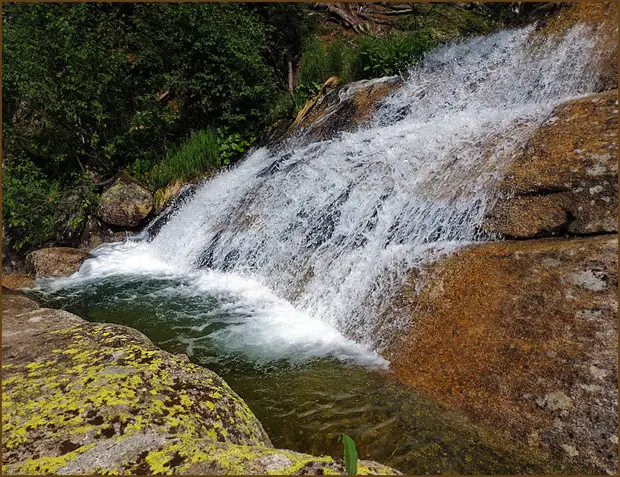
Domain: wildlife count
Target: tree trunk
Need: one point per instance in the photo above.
(291, 75)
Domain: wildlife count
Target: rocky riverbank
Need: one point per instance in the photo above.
(519, 335)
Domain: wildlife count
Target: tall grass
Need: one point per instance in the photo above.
(365, 57)
(198, 155)
(313, 68)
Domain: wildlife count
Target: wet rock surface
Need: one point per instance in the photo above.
(97, 232)
(566, 179)
(55, 261)
(345, 109)
(601, 19)
(522, 337)
(83, 398)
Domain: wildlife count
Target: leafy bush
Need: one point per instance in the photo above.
(98, 87)
(232, 145)
(392, 54)
(38, 210)
(363, 58)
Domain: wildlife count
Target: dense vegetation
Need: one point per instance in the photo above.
(170, 91)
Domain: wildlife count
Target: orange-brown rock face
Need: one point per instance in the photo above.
(16, 281)
(565, 181)
(56, 261)
(522, 337)
(601, 18)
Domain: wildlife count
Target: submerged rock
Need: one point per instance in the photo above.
(56, 261)
(566, 179)
(125, 204)
(522, 337)
(84, 398)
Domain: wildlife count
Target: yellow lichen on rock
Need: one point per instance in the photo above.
(83, 398)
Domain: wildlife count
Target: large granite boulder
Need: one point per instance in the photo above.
(55, 261)
(125, 204)
(84, 398)
(566, 179)
(523, 338)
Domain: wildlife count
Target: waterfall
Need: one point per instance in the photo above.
(312, 241)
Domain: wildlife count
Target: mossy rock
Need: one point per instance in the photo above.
(84, 398)
(125, 204)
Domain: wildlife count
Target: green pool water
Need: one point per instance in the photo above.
(304, 405)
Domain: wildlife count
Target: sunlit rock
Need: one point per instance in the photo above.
(55, 261)
(566, 179)
(522, 337)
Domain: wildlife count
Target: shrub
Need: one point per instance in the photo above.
(37, 210)
(363, 58)
(98, 87)
(392, 54)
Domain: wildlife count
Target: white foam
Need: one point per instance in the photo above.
(313, 241)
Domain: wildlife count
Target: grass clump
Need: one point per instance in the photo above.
(194, 158)
(364, 57)
(202, 153)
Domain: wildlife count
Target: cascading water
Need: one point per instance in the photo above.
(303, 248)
(293, 256)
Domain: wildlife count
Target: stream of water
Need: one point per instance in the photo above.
(275, 274)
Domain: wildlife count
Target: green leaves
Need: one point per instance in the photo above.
(350, 454)
(107, 86)
(391, 54)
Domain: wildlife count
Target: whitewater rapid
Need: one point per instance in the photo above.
(306, 246)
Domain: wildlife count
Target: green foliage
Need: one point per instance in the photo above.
(37, 209)
(283, 108)
(232, 145)
(203, 152)
(313, 68)
(446, 21)
(100, 87)
(392, 54)
(289, 26)
(319, 62)
(363, 58)
(350, 455)
(199, 154)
